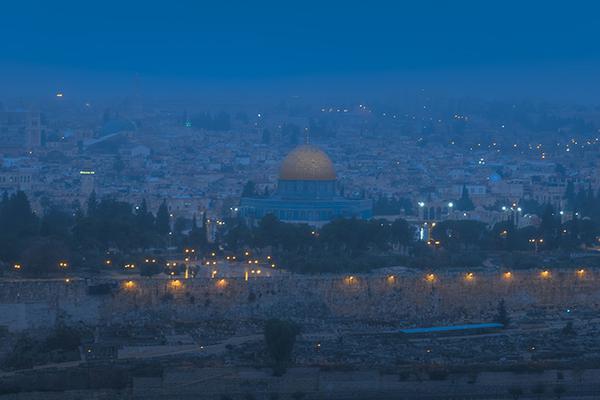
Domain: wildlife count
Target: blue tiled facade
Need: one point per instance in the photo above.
(313, 212)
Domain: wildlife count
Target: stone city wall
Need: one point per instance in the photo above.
(410, 299)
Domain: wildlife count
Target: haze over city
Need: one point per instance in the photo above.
(299, 200)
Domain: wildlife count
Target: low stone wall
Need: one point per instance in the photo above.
(410, 298)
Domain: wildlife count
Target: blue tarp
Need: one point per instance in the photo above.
(435, 329)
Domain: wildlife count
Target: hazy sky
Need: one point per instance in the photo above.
(96, 47)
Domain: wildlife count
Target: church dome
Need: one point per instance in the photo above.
(307, 163)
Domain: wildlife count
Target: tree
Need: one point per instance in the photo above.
(197, 236)
(57, 223)
(402, 232)
(163, 224)
(568, 329)
(502, 315)
(280, 337)
(144, 218)
(144, 221)
(43, 255)
(92, 204)
(570, 195)
(464, 203)
(249, 189)
(17, 215)
(18, 224)
(460, 234)
(549, 226)
(238, 235)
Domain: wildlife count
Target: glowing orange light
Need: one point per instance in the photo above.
(430, 278)
(581, 273)
(176, 284)
(221, 283)
(129, 284)
(507, 275)
(545, 274)
(469, 276)
(391, 279)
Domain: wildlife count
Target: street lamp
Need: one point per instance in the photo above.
(545, 274)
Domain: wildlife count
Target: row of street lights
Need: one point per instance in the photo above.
(469, 276)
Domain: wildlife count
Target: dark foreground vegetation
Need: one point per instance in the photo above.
(110, 231)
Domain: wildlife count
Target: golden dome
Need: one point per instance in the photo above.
(307, 163)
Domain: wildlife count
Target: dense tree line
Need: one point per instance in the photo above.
(551, 234)
(343, 244)
(85, 235)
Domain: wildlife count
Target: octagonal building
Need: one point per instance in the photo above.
(306, 192)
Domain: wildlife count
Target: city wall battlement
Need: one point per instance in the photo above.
(411, 299)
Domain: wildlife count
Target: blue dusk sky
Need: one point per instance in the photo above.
(92, 48)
